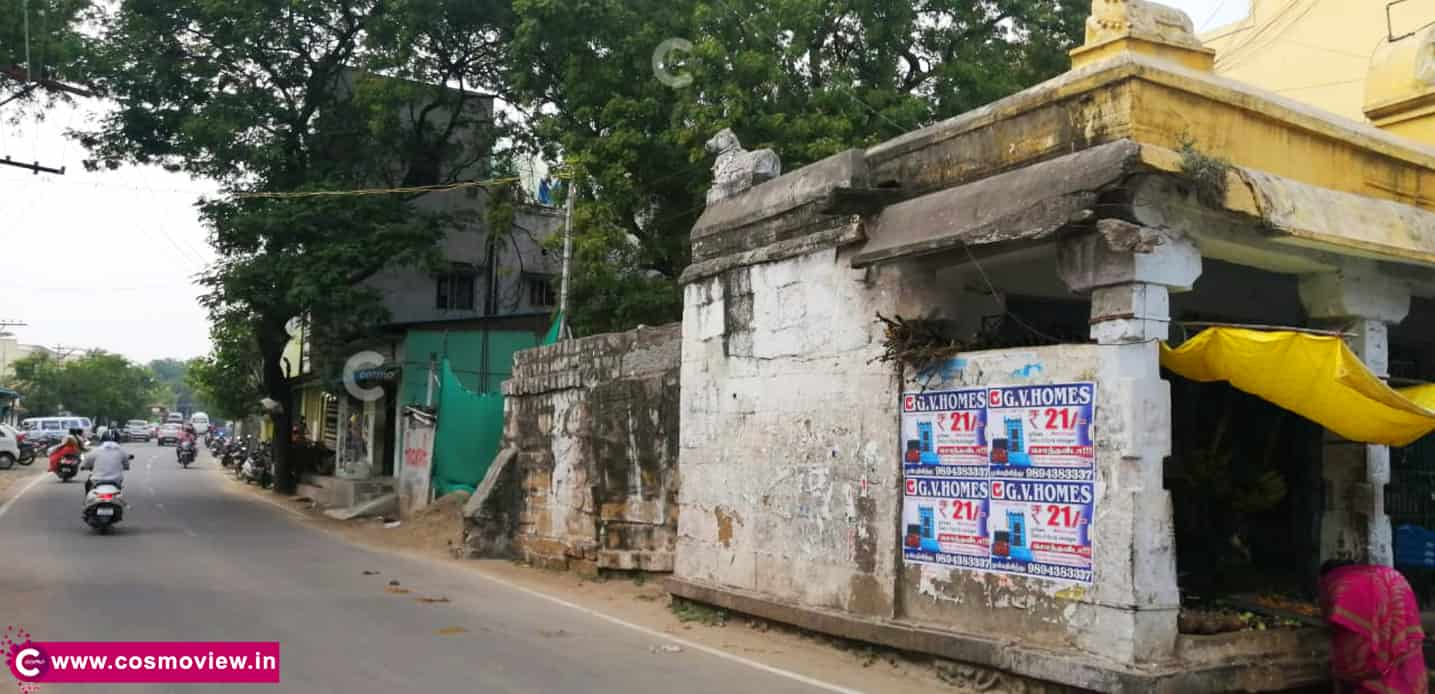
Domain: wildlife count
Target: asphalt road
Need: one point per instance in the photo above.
(196, 562)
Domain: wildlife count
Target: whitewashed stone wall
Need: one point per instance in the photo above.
(790, 483)
(1128, 614)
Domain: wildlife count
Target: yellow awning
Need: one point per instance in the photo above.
(1315, 376)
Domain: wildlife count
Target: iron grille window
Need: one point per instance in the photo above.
(455, 288)
(540, 291)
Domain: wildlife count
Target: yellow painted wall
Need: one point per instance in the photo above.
(1315, 51)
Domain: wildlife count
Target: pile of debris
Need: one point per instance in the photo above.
(917, 343)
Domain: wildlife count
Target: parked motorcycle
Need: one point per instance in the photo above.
(257, 468)
(69, 467)
(233, 453)
(27, 449)
(186, 453)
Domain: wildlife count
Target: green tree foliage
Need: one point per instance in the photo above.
(229, 378)
(55, 49)
(99, 385)
(809, 78)
(298, 96)
(177, 394)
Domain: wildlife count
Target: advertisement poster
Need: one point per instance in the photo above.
(1042, 432)
(1000, 478)
(943, 433)
(1040, 528)
(944, 521)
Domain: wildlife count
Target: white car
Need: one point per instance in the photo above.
(168, 433)
(200, 422)
(9, 446)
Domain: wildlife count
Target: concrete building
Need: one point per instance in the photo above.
(1058, 236)
(1316, 52)
(11, 350)
(497, 298)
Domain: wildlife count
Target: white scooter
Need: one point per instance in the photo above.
(104, 505)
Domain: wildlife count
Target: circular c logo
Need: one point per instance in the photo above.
(660, 62)
(351, 382)
(29, 662)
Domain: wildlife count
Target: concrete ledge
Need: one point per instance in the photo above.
(335, 492)
(656, 561)
(1252, 672)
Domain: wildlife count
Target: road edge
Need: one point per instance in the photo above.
(265, 497)
(5, 507)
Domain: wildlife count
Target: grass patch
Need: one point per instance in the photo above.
(689, 611)
(1206, 172)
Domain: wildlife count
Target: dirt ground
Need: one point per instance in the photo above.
(640, 599)
(19, 475)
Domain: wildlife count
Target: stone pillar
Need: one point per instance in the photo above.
(1129, 271)
(1360, 302)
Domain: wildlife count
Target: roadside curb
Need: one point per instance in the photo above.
(479, 573)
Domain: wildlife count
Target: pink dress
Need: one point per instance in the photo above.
(1375, 630)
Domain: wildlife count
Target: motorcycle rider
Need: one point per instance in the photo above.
(186, 435)
(109, 463)
(72, 444)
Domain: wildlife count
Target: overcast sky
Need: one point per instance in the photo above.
(107, 260)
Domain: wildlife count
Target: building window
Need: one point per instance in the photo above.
(456, 288)
(540, 291)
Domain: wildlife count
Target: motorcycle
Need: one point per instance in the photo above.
(186, 453)
(232, 454)
(69, 467)
(27, 450)
(257, 469)
(104, 505)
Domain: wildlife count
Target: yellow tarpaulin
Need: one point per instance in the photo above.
(1315, 376)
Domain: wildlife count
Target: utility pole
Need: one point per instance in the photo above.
(567, 258)
(34, 168)
(428, 389)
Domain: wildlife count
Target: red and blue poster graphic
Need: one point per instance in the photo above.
(944, 521)
(1042, 432)
(943, 433)
(1042, 528)
(1000, 478)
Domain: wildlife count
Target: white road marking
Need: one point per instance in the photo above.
(716, 652)
(691, 645)
(11, 502)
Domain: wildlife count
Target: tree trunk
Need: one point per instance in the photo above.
(276, 387)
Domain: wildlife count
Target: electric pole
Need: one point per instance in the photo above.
(34, 168)
(567, 259)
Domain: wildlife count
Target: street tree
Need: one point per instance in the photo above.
(615, 90)
(229, 379)
(99, 384)
(177, 393)
(42, 54)
(302, 96)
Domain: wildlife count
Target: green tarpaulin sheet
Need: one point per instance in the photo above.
(470, 427)
(552, 336)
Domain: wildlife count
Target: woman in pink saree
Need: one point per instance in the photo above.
(1376, 637)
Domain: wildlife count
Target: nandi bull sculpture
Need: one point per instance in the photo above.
(737, 169)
